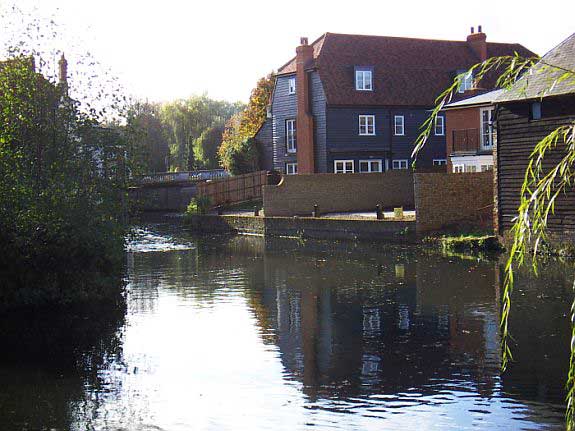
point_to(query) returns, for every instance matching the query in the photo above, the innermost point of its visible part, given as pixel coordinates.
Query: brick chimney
(63, 73)
(478, 43)
(304, 120)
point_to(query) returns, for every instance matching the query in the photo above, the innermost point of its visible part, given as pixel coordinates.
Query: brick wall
(297, 194)
(452, 201)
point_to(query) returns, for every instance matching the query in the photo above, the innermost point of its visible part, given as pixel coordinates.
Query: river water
(242, 333)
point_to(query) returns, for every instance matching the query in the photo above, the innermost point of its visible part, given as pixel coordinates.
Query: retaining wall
(454, 201)
(306, 227)
(297, 194)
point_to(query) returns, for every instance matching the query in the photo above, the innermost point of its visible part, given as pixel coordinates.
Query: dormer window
(291, 85)
(363, 78)
(466, 82)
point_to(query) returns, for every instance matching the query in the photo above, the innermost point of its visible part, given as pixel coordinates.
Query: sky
(167, 49)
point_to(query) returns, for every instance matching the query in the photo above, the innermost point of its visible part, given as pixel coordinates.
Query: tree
(238, 152)
(544, 181)
(206, 147)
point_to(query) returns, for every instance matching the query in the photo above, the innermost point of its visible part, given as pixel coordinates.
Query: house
(470, 133)
(353, 103)
(534, 106)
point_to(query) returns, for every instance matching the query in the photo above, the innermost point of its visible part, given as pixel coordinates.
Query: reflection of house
(471, 134)
(534, 106)
(353, 103)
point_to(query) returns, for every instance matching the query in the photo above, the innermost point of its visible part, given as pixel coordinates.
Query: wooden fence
(240, 188)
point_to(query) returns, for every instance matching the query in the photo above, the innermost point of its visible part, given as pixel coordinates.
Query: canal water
(242, 333)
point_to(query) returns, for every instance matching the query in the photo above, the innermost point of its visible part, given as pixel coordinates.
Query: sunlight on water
(245, 334)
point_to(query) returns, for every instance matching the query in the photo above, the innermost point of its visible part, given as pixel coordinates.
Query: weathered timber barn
(534, 106)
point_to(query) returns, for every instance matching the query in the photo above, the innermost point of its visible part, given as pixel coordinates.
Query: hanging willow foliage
(539, 192)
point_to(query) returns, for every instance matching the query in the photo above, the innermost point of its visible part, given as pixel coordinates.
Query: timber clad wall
(517, 137)
(263, 137)
(444, 201)
(318, 106)
(297, 194)
(284, 108)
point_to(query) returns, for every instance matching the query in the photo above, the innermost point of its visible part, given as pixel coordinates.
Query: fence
(170, 177)
(236, 189)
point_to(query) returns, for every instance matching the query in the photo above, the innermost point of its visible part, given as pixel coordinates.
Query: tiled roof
(540, 80)
(406, 71)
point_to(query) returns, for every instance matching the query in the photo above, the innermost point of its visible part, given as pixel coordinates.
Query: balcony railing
(169, 177)
(466, 141)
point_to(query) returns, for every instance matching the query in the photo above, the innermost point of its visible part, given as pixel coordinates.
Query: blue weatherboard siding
(345, 143)
(284, 107)
(264, 138)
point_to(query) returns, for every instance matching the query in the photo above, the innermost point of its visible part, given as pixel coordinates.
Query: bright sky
(168, 49)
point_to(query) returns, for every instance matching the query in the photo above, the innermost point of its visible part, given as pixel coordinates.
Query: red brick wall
(458, 119)
(452, 201)
(297, 194)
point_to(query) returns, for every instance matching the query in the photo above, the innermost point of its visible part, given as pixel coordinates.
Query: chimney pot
(479, 29)
(303, 41)
(472, 30)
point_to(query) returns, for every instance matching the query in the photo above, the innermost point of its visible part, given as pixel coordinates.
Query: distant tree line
(197, 133)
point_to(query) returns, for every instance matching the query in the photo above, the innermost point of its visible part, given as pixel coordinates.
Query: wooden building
(533, 107)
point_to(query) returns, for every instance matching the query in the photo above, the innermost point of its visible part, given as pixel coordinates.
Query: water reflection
(240, 333)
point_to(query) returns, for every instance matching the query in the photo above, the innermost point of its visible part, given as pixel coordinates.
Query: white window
(343, 166)
(458, 169)
(439, 162)
(370, 166)
(363, 80)
(470, 168)
(485, 168)
(367, 124)
(488, 132)
(291, 86)
(399, 164)
(439, 126)
(291, 143)
(291, 168)
(398, 122)
(466, 82)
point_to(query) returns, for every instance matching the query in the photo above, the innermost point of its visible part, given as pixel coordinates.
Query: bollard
(315, 211)
(220, 210)
(378, 212)
(256, 211)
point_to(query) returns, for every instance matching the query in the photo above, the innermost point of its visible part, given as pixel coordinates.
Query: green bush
(199, 205)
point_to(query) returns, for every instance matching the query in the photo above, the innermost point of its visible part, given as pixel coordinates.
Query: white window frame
(291, 85)
(440, 124)
(379, 162)
(367, 126)
(344, 167)
(492, 134)
(400, 164)
(363, 80)
(466, 82)
(396, 125)
(291, 168)
(486, 168)
(458, 168)
(439, 162)
(291, 135)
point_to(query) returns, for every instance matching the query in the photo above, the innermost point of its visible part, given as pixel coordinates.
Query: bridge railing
(170, 177)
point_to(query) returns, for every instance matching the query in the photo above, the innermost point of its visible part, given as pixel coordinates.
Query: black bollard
(256, 211)
(220, 210)
(378, 212)
(315, 210)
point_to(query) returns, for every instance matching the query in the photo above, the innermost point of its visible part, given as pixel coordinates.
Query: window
(466, 82)
(439, 126)
(399, 164)
(367, 124)
(470, 168)
(291, 143)
(458, 169)
(439, 162)
(343, 166)
(291, 168)
(370, 166)
(363, 78)
(488, 133)
(535, 111)
(398, 122)
(485, 168)
(291, 86)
